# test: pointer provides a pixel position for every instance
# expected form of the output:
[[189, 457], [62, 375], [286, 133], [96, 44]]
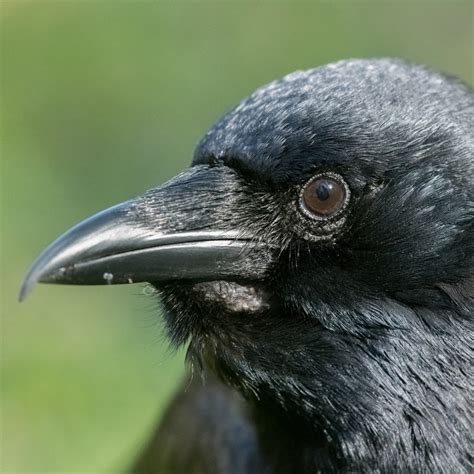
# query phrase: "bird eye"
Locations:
[[324, 196]]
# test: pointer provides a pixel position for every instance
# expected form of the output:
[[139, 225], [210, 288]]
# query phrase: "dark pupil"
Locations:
[[323, 191]]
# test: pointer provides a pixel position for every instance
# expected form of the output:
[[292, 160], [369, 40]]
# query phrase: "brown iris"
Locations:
[[324, 196]]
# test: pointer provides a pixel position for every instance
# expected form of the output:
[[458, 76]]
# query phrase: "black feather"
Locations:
[[355, 353]]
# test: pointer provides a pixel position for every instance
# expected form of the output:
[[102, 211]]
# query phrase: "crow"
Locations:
[[318, 260]]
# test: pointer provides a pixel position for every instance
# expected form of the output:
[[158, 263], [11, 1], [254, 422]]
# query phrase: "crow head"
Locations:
[[318, 256]]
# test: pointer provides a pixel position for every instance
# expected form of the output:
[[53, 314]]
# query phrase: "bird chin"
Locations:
[[232, 297], [211, 311]]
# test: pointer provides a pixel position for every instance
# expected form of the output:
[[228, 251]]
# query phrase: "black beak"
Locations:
[[171, 233]]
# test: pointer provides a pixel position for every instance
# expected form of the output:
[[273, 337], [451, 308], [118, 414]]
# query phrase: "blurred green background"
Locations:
[[100, 101]]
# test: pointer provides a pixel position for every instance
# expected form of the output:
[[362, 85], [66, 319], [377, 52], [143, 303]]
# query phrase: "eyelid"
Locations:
[[331, 175]]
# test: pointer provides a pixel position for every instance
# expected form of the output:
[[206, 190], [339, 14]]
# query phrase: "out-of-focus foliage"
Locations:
[[101, 100]]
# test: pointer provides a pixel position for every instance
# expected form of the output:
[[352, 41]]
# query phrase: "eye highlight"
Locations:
[[324, 196]]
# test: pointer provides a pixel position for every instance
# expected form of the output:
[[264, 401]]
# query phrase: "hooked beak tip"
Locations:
[[26, 288], [31, 279]]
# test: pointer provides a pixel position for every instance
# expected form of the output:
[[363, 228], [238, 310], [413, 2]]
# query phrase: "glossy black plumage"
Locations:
[[334, 345], [363, 362]]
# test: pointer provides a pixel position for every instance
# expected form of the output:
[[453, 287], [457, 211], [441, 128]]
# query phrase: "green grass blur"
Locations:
[[101, 100]]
